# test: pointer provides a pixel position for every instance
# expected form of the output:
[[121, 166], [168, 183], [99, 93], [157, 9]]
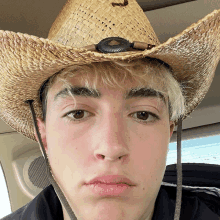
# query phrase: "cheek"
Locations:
[[67, 156], [67, 144], [150, 150]]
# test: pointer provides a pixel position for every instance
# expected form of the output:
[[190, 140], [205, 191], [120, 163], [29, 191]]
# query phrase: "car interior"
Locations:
[[21, 160]]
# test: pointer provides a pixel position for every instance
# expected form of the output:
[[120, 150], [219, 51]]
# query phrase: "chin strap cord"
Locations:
[[49, 170], [179, 172]]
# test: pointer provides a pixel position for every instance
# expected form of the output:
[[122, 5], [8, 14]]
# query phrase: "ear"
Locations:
[[172, 126], [42, 130]]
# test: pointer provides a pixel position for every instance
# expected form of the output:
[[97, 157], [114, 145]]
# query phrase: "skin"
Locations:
[[108, 129]]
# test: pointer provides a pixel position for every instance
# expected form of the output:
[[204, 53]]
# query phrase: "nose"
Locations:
[[113, 140]]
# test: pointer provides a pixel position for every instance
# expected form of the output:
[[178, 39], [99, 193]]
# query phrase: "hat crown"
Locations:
[[82, 22]]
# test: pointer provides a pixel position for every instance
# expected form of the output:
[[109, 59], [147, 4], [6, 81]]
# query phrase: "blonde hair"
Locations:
[[146, 72]]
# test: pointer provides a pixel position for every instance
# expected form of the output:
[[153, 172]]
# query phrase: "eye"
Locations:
[[142, 116], [145, 116], [76, 115]]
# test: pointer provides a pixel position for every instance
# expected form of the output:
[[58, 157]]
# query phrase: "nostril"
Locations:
[[100, 156]]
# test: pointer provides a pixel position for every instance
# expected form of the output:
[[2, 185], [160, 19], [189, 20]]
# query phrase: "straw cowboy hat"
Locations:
[[27, 61]]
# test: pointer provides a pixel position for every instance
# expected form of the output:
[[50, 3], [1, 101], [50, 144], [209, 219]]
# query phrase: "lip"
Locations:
[[111, 185], [111, 179]]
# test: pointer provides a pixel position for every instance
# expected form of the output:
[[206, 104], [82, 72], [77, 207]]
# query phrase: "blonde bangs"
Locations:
[[144, 72]]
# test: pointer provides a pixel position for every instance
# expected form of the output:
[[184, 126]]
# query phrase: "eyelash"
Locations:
[[156, 117]]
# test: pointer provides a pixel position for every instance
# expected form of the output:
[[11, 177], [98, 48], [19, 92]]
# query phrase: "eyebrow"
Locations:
[[95, 93]]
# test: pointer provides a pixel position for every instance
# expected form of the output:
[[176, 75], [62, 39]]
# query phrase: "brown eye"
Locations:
[[145, 116], [77, 115], [142, 116]]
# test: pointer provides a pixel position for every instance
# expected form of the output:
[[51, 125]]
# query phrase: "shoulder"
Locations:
[[197, 202], [17, 215], [45, 206]]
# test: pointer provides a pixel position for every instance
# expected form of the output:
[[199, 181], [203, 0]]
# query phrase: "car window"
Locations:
[[199, 150], [4, 198]]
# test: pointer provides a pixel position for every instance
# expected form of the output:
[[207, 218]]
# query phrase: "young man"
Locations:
[[113, 133], [106, 116]]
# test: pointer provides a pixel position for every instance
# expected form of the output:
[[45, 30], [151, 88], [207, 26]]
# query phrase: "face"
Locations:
[[109, 136]]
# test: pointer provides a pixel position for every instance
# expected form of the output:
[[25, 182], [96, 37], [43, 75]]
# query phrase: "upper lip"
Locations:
[[115, 179]]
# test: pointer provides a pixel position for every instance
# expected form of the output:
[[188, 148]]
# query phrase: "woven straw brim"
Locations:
[[27, 61]]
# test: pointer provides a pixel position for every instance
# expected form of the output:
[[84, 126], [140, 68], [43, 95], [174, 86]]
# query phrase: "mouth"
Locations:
[[111, 185], [111, 180], [110, 189]]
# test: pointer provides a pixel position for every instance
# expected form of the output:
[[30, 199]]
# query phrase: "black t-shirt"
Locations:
[[200, 205]]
